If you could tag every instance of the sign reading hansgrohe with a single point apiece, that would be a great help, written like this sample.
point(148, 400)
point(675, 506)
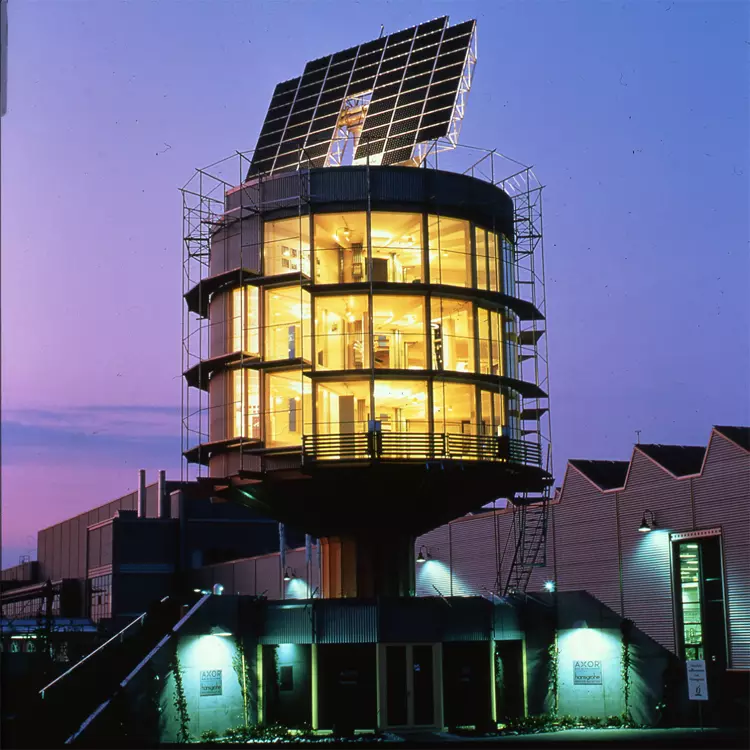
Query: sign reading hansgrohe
point(210, 682)
point(587, 672)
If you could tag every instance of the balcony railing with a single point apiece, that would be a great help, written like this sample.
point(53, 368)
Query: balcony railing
point(419, 446)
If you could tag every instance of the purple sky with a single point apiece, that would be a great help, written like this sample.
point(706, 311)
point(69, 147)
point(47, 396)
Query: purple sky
point(634, 114)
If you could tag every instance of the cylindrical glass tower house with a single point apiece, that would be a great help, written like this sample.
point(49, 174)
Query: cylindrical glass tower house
point(361, 365)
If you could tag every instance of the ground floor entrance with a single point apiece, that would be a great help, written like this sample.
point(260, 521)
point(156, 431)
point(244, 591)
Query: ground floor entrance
point(410, 682)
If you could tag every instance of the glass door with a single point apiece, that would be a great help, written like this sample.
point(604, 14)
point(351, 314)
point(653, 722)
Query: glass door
point(409, 688)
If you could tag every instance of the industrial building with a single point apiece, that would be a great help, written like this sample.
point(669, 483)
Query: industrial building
point(364, 361)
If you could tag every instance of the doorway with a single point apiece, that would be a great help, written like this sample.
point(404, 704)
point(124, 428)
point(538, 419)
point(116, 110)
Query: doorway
point(410, 694)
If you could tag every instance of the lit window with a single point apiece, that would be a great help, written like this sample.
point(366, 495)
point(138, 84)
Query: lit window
point(397, 253)
point(244, 314)
point(508, 259)
point(452, 324)
point(286, 246)
point(284, 409)
point(399, 341)
point(454, 408)
point(287, 324)
point(342, 408)
point(340, 248)
point(341, 325)
point(493, 413)
point(245, 405)
point(481, 245)
point(401, 405)
point(450, 251)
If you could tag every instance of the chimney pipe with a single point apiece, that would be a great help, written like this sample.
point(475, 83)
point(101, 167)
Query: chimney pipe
point(142, 493)
point(164, 509)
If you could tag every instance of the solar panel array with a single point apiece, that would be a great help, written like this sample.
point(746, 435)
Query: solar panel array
point(412, 79)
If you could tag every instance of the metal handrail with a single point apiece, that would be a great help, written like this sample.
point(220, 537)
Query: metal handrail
point(138, 668)
point(119, 634)
point(418, 445)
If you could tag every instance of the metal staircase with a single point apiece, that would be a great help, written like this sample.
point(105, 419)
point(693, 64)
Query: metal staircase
point(527, 352)
point(530, 532)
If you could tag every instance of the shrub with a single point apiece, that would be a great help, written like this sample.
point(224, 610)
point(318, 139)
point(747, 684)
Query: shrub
point(210, 735)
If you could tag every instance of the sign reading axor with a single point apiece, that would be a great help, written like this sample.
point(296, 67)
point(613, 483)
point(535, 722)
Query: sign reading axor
point(696, 675)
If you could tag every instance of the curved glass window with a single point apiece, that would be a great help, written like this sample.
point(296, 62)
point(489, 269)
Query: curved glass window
point(399, 340)
point(283, 409)
point(490, 342)
point(245, 404)
point(286, 246)
point(342, 408)
point(450, 251)
point(452, 324)
point(341, 332)
point(492, 412)
point(397, 252)
point(244, 326)
point(401, 405)
point(287, 323)
point(454, 408)
point(340, 248)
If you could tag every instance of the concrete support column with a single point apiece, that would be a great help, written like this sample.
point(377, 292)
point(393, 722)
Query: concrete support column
point(367, 566)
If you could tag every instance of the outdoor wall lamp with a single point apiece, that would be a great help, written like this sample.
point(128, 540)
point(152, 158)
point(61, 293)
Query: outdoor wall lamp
point(648, 522)
point(424, 555)
point(288, 574)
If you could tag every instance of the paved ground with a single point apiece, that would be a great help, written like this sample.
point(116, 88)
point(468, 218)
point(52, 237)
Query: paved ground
point(593, 738)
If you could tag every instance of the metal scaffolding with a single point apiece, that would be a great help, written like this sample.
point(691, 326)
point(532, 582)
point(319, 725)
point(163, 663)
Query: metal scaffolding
point(206, 210)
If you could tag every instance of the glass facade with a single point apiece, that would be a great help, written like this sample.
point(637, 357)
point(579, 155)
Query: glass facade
point(391, 355)
point(699, 582)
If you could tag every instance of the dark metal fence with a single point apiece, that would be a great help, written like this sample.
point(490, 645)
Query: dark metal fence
point(419, 445)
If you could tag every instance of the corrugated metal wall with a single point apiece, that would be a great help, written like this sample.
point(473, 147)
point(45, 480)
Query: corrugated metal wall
point(586, 529)
point(722, 499)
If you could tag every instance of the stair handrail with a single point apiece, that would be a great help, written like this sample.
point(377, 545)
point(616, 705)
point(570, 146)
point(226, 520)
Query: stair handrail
point(138, 668)
point(119, 634)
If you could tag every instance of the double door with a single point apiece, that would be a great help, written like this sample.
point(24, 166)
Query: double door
point(410, 693)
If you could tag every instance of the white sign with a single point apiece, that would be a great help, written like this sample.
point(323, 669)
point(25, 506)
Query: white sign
point(696, 675)
point(210, 682)
point(587, 672)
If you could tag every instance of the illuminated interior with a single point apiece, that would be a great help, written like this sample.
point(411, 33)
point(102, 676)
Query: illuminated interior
point(450, 251)
point(340, 248)
point(286, 246)
point(397, 252)
point(244, 312)
point(342, 408)
point(287, 323)
point(452, 324)
point(284, 410)
point(454, 408)
point(245, 404)
point(399, 340)
point(401, 405)
point(367, 330)
point(691, 602)
point(341, 327)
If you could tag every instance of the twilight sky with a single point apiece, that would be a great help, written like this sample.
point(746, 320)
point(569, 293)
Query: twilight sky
point(634, 114)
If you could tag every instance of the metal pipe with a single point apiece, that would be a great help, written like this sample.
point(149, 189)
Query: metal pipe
point(141, 493)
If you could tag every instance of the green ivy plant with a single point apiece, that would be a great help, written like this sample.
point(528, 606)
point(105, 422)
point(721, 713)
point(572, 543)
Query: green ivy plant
point(180, 701)
point(244, 675)
point(554, 658)
point(625, 628)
